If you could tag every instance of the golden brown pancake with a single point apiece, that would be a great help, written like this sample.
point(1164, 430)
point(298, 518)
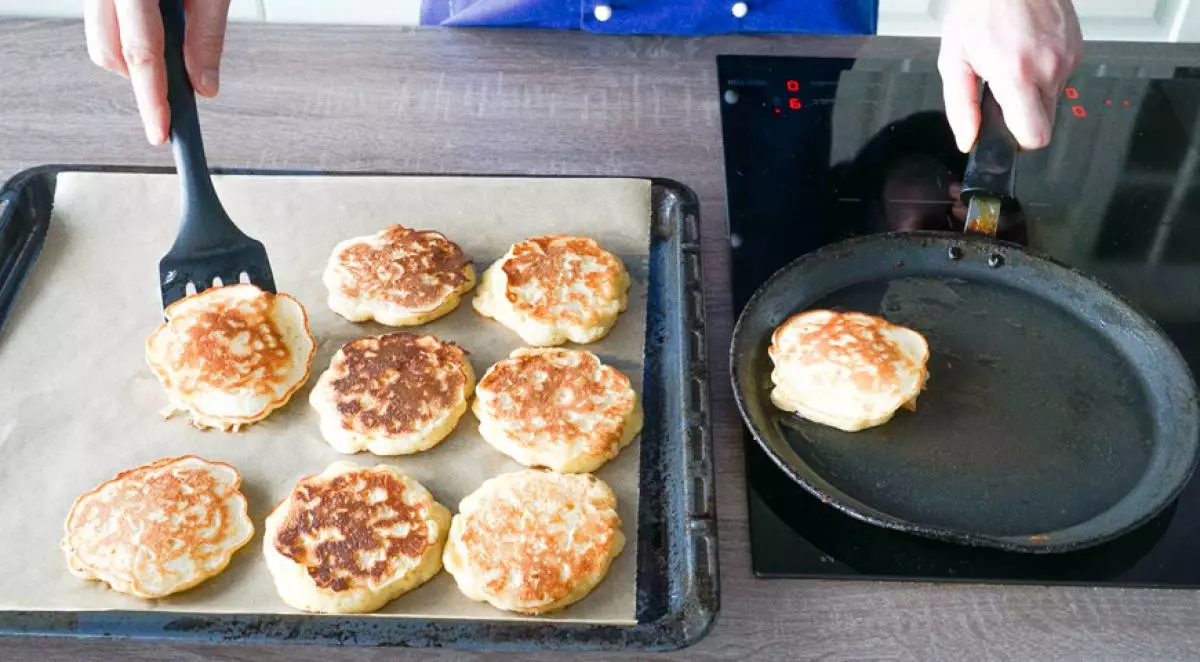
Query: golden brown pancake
point(533, 542)
point(394, 394)
point(555, 288)
point(352, 539)
point(557, 408)
point(398, 277)
point(846, 370)
point(159, 528)
point(231, 355)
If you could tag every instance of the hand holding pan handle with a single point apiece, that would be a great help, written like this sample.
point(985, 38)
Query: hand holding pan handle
point(991, 168)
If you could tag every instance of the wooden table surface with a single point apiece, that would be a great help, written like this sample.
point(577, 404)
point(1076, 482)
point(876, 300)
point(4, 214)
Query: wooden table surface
point(392, 99)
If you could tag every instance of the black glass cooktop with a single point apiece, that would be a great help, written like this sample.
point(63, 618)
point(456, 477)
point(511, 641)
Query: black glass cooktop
point(817, 150)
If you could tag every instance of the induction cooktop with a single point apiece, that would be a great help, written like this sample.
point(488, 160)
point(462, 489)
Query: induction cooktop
point(821, 149)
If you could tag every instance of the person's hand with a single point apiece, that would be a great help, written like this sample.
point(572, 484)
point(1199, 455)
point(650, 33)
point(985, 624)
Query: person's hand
point(1024, 49)
point(126, 37)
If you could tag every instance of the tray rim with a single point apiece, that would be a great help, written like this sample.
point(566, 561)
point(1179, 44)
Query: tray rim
point(688, 508)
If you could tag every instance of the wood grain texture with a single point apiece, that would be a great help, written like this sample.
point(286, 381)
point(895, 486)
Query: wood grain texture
point(551, 103)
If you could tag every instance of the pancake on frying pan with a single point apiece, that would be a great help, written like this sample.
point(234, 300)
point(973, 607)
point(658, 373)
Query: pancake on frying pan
point(555, 289)
point(352, 539)
point(557, 408)
point(533, 542)
point(160, 528)
point(229, 356)
point(850, 371)
point(397, 277)
point(394, 394)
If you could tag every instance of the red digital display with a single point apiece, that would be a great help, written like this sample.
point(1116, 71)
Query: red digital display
point(793, 86)
point(1078, 108)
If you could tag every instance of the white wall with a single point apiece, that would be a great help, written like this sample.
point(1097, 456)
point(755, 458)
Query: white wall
point(1101, 20)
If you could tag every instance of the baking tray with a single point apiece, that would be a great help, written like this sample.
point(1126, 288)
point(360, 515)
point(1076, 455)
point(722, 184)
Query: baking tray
point(677, 573)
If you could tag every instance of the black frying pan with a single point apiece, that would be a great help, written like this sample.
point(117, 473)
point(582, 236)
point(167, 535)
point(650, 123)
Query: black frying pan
point(1056, 415)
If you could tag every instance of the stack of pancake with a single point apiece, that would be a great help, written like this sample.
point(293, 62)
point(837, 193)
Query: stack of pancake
point(352, 538)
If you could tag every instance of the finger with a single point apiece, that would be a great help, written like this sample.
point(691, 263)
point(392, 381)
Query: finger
point(203, 43)
point(960, 92)
point(1050, 108)
point(1024, 112)
point(142, 48)
point(103, 35)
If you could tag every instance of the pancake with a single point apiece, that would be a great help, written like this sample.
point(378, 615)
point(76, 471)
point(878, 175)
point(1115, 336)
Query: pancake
point(229, 356)
point(397, 277)
point(555, 289)
point(850, 371)
point(160, 528)
point(395, 394)
point(557, 408)
point(533, 542)
point(352, 539)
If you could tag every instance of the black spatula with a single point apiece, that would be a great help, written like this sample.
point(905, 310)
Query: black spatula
point(209, 249)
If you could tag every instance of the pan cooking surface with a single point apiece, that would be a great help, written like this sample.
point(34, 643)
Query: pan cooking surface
point(1031, 421)
point(1055, 416)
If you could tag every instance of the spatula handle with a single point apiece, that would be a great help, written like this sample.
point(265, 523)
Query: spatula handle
point(992, 165)
point(200, 202)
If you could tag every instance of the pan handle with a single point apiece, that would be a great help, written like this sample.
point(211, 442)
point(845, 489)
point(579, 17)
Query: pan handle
point(992, 165)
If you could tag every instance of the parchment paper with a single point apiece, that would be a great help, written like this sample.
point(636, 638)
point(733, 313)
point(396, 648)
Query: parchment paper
point(78, 404)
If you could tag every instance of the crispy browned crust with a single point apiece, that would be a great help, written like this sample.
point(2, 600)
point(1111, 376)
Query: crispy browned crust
point(544, 397)
point(502, 541)
point(343, 503)
point(224, 362)
point(551, 264)
point(416, 269)
point(397, 383)
point(161, 539)
point(852, 340)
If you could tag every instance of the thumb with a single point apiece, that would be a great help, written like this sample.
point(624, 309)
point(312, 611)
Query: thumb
point(1024, 112)
point(203, 42)
point(960, 93)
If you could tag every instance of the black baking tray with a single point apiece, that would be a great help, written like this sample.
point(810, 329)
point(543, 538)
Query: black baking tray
point(677, 574)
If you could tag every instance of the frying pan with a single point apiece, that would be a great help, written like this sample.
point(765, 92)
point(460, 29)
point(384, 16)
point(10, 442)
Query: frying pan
point(1056, 415)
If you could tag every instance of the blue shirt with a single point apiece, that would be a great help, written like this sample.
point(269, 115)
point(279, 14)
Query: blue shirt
point(684, 17)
